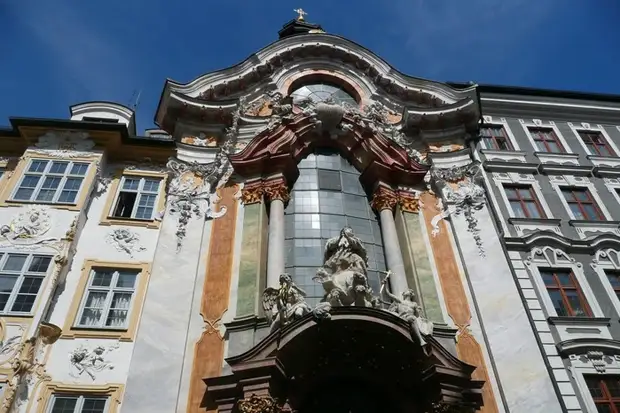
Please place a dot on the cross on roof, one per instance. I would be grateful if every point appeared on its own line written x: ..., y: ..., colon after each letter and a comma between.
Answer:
x: 301, y: 13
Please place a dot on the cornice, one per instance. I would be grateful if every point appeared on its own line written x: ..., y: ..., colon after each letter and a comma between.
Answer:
x: 543, y: 238
x: 583, y: 345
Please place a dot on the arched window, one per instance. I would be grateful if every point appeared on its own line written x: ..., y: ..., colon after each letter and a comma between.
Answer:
x: 326, y: 197
x: 319, y: 92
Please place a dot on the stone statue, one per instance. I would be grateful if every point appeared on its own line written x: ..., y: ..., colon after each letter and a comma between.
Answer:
x: 410, y: 311
x: 284, y: 304
x: 344, y: 272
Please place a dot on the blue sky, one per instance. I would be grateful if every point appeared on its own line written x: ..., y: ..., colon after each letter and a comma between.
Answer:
x: 60, y: 52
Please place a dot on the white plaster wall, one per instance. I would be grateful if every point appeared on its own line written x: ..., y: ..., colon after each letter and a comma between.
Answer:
x: 512, y: 345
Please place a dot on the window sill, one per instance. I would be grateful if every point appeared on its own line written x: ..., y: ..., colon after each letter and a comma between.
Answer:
x: 152, y: 224
x: 557, y: 158
x: 506, y: 155
x: 610, y: 161
x: 583, y: 227
x: 574, y: 170
x: 83, y: 332
x: 67, y: 207
x: 529, y: 225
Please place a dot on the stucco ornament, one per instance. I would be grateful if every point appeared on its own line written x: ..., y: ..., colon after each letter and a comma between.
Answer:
x: 344, y: 273
x: 467, y: 198
x: 10, y: 345
x: 90, y: 361
x: 125, y: 240
x: 256, y: 404
x: 65, y: 144
x: 285, y: 303
x: 409, y: 310
x: 28, y: 226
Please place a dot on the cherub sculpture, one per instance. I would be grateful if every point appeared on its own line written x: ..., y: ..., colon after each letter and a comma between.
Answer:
x: 285, y: 303
x: 344, y: 272
x: 409, y: 310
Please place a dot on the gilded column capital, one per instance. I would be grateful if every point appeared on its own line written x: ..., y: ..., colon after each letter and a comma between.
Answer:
x: 409, y: 201
x: 384, y: 198
x: 276, y: 190
x: 256, y: 404
x: 252, y: 193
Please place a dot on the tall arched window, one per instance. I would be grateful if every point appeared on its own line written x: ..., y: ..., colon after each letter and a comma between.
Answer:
x: 326, y: 197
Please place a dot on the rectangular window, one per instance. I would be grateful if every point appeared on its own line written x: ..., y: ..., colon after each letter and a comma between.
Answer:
x: 596, y: 143
x: 70, y: 403
x: 523, y: 201
x: 494, y: 137
x: 21, y: 277
x: 605, y: 391
x: 329, y: 180
x: 546, y: 140
x: 53, y: 182
x: 583, y: 205
x: 614, y: 279
x: 565, y: 293
x: 107, y: 301
x: 136, y: 198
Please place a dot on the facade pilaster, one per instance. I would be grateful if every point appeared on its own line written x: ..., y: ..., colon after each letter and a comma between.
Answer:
x: 277, y: 195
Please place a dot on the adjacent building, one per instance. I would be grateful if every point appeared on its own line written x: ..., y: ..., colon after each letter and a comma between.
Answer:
x: 142, y: 273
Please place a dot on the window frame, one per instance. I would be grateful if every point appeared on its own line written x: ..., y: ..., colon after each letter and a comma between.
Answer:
x: 561, y: 288
x: 537, y: 123
x: 591, y: 201
x: 80, y: 404
x: 58, y: 190
x: 110, y: 291
x: 611, y: 401
x: 112, y: 391
x: 559, y: 181
x: 534, y: 132
x: 139, y: 192
x: 533, y: 194
x: 602, y: 142
x: 607, y: 260
x: 493, y: 138
x: 72, y: 328
x: 20, y: 279
x: 114, y: 190
x: 586, y: 127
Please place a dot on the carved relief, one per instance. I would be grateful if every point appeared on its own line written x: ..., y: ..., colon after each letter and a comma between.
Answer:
x: 553, y: 257
x: 125, y: 240
x: 409, y: 201
x: 252, y: 193
x: 65, y: 144
x: 256, y: 404
x: 200, y: 140
x: 276, y: 190
x: 90, y: 361
x: 26, y: 228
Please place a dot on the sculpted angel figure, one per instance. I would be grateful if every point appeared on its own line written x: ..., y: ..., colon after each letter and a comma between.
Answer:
x: 285, y: 303
x: 344, y: 272
x: 409, y: 310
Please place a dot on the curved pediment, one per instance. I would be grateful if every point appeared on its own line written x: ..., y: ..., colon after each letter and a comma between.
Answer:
x: 370, y: 345
x: 274, y: 67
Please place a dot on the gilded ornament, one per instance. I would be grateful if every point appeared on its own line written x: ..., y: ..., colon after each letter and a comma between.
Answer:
x: 383, y: 198
x: 256, y: 404
x: 277, y: 190
x: 409, y: 202
x: 252, y: 194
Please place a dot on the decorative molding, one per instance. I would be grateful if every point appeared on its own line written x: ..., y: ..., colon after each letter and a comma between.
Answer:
x: 276, y: 189
x: 256, y: 404
x: 125, y: 240
x: 583, y: 227
x: 65, y: 144
x: 528, y: 225
x: 90, y: 361
x: 383, y: 198
x: 409, y: 201
x: 252, y: 192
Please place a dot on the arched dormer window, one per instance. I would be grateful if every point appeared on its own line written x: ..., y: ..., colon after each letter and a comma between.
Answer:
x: 322, y: 91
x: 326, y: 197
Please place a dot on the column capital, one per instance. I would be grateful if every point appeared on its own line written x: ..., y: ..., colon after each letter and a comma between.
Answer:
x: 409, y: 201
x: 276, y: 189
x: 383, y: 198
x: 252, y: 192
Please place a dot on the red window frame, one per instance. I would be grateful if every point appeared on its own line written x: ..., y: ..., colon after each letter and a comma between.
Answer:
x: 580, y: 203
x: 573, y: 286
x: 544, y: 136
x: 524, y: 201
x: 596, y: 143
x: 603, y: 396
x: 615, y: 286
x: 494, y: 135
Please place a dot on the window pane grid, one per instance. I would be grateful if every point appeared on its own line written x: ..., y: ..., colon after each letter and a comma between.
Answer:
x: 582, y: 204
x: 78, y: 404
x: 524, y: 202
x: 495, y: 137
x: 136, y: 198
x: 21, y: 277
x: 596, y: 143
x: 107, y: 300
x: 565, y: 293
x: 54, y: 182
x: 605, y: 392
x: 546, y: 140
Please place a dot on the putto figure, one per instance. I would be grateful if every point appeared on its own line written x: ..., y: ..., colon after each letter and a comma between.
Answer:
x: 344, y: 272
x: 409, y: 310
x: 284, y: 304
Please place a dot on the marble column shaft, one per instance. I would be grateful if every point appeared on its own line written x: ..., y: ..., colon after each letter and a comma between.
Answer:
x: 384, y: 202
x: 277, y: 194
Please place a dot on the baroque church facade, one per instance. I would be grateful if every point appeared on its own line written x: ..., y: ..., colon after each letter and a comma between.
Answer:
x: 312, y: 230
